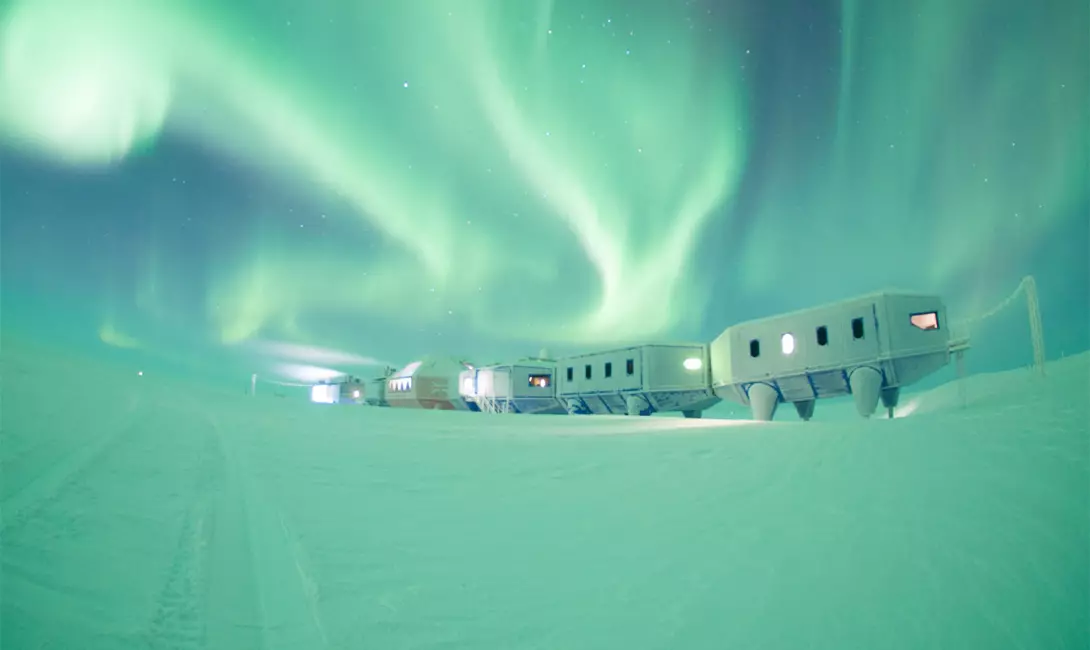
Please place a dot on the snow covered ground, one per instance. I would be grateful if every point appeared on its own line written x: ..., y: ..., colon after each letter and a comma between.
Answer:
x: 146, y: 512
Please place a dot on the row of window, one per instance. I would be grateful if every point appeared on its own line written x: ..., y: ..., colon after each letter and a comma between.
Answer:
x: 924, y: 321
x: 787, y: 341
x: 400, y: 385
x: 629, y: 368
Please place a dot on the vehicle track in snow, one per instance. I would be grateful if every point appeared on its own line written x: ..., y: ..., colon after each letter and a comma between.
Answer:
x: 212, y: 594
x: 56, y: 480
x: 179, y: 618
x: 275, y: 577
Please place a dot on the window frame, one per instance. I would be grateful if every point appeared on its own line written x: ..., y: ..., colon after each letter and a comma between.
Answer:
x: 859, y: 331
x: 548, y: 377
x: 934, y: 313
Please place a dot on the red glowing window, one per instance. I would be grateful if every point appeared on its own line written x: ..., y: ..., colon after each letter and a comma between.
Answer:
x: 540, y: 381
x: 925, y: 321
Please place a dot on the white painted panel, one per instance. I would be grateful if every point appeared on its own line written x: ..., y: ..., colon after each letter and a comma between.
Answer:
x: 520, y: 381
x: 619, y: 379
x: 665, y: 367
x: 906, y: 338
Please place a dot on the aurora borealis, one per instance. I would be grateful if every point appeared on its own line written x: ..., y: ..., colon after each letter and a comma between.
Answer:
x: 486, y: 177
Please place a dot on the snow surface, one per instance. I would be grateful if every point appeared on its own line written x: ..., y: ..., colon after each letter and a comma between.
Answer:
x: 148, y: 512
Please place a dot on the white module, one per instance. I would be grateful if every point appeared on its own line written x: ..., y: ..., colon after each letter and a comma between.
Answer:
x: 868, y: 347
x: 527, y: 386
x: 637, y: 380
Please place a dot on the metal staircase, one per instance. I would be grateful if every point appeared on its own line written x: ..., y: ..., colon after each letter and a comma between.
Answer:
x: 494, y: 404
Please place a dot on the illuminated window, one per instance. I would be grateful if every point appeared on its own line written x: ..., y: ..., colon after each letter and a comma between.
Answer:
x: 609, y: 369
x: 467, y: 386
x: 692, y: 363
x: 754, y: 348
x: 586, y: 371
x: 541, y: 381
x: 926, y: 321
x: 630, y: 367
x: 823, y: 335
x: 787, y: 343
x: 857, y: 328
x: 401, y: 384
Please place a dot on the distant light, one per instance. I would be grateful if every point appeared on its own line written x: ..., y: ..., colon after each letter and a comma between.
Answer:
x: 405, y: 85
x: 323, y: 394
x: 787, y: 343
x: 355, y: 394
x: 140, y: 373
x: 693, y: 363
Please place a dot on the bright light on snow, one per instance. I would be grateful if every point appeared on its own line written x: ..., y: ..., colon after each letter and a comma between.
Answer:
x: 324, y: 393
x: 693, y: 363
x: 787, y: 342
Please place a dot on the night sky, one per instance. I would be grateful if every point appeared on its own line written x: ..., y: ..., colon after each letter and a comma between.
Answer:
x: 234, y: 184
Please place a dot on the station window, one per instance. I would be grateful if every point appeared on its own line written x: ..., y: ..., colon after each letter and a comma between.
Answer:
x: 541, y: 381
x: 609, y: 368
x: 857, y: 328
x: 823, y: 335
x: 586, y: 371
x: 754, y: 348
x: 630, y: 366
x: 571, y: 373
x: 926, y: 321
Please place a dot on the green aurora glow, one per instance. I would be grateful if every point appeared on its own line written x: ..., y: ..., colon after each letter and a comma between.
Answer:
x: 553, y: 170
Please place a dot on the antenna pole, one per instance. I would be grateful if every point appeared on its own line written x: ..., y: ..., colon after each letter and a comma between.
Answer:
x: 1035, y: 328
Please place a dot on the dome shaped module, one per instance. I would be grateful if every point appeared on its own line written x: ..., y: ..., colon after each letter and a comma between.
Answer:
x: 430, y: 383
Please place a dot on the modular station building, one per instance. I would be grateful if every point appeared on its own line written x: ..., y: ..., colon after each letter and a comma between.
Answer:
x: 867, y: 347
x: 526, y: 386
x: 638, y: 380
x: 345, y: 389
x: 374, y: 393
x: 431, y: 383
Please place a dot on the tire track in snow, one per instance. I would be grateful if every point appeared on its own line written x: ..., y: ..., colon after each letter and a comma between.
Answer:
x: 49, y: 487
x: 179, y: 620
x: 283, y: 585
x: 261, y: 593
x: 310, y: 587
x: 214, y: 575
